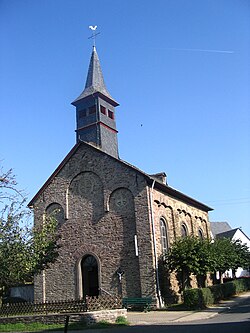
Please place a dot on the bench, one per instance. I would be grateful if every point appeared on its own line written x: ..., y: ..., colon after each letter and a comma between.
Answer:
x: 137, y: 303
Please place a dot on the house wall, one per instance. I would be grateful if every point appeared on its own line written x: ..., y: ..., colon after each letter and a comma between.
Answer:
x: 105, y: 204
x: 175, y: 213
x: 239, y: 235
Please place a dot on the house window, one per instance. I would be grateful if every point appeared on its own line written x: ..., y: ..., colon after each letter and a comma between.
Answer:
x: 111, y: 114
x: 164, y: 240
x: 82, y: 113
x: 103, y: 110
x: 92, y: 109
x: 55, y: 212
x: 200, y: 234
x: 184, y: 232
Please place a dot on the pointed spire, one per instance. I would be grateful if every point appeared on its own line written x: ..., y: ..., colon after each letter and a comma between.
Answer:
x: 95, y: 82
x: 95, y: 77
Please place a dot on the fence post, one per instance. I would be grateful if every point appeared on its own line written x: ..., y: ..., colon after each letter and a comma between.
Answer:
x: 66, y: 324
x: 7, y: 309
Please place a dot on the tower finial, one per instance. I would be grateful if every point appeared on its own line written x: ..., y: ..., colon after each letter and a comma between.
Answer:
x: 94, y: 34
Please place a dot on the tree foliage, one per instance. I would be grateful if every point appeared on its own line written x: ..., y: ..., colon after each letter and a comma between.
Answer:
x: 222, y: 254
x: 192, y: 255
x: 24, y: 250
x: 188, y: 255
x: 13, y: 249
x: 226, y: 254
x: 242, y: 255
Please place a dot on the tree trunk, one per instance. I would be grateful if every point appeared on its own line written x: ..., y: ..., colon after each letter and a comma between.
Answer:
x: 221, y: 277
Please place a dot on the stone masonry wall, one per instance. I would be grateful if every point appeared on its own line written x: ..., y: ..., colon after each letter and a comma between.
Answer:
x: 175, y: 213
x: 105, y: 205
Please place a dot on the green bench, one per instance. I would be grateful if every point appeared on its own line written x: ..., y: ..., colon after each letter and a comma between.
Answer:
x: 137, y: 303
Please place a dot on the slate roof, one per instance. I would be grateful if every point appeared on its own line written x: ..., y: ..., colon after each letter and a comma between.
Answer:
x: 218, y: 227
x: 230, y: 233
x: 95, y: 81
x: 227, y: 234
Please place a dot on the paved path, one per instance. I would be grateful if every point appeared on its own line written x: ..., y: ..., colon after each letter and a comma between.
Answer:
x: 163, y: 317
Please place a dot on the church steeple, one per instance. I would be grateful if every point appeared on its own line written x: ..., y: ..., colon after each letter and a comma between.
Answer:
x: 95, y: 111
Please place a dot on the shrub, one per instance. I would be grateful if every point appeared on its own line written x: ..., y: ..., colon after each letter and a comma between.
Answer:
x: 228, y: 289
x: 242, y: 285
x: 207, y: 297
x: 193, y: 298
x: 200, y: 298
x: 121, y: 320
x: 216, y: 292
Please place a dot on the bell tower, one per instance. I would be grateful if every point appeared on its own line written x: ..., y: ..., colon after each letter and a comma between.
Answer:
x: 95, y: 111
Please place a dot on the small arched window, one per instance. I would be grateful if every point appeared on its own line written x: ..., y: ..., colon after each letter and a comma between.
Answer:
x: 184, y: 231
x: 200, y: 234
x: 55, y: 211
x: 164, y: 240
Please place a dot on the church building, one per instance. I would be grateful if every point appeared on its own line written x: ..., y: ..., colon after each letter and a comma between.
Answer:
x: 114, y: 220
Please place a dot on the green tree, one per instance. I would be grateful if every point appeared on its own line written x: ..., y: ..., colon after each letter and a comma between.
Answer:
x: 13, y: 247
x: 243, y: 256
x: 226, y: 255
x: 24, y: 250
x: 192, y: 255
x: 222, y: 256
x: 189, y: 255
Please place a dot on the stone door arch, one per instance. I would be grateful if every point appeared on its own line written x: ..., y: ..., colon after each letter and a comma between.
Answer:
x: 90, y: 276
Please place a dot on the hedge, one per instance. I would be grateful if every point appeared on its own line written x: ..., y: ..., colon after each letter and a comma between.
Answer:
x: 202, y: 297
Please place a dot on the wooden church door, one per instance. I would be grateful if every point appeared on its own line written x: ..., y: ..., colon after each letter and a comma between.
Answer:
x: 90, y: 278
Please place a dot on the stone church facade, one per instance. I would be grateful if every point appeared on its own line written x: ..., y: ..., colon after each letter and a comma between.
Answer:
x: 114, y: 220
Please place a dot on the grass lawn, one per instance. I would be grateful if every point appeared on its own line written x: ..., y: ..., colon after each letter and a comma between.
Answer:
x: 32, y: 327
x: 38, y: 327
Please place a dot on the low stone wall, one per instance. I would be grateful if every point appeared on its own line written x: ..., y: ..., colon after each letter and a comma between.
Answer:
x: 108, y: 315
x: 88, y: 318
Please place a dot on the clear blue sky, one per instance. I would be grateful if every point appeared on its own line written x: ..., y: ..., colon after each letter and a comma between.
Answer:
x: 179, y: 68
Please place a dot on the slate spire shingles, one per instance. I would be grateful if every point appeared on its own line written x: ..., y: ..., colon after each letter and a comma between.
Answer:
x: 95, y: 81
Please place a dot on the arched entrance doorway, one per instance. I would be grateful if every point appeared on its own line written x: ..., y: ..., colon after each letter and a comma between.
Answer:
x: 90, y: 280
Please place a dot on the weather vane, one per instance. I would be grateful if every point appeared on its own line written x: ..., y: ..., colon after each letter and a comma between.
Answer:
x: 94, y: 34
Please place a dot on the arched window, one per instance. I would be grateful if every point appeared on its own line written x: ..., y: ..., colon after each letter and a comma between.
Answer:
x: 184, y: 231
x: 164, y: 240
x: 200, y: 234
x: 55, y: 211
